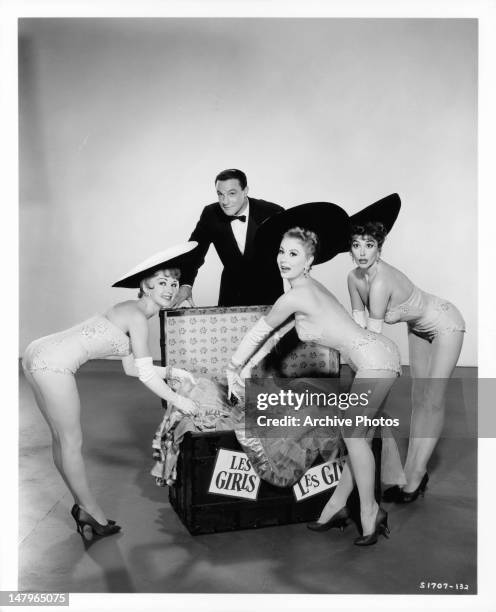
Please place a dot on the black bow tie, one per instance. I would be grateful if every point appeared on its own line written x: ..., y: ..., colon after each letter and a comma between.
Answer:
x: 241, y: 218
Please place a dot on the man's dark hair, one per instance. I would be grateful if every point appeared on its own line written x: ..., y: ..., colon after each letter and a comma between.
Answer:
x: 232, y: 173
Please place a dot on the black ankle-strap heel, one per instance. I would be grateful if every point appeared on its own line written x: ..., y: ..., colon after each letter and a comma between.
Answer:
x: 88, y: 527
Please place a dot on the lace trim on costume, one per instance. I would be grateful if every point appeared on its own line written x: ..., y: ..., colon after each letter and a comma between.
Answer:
x: 403, y: 307
x: 370, y: 337
x: 96, y: 328
x: 100, y: 328
x: 363, y: 341
x: 38, y: 363
x: 450, y: 330
x: 46, y: 368
x: 443, y: 306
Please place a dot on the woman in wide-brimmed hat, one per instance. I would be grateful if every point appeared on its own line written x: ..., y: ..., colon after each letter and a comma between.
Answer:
x: 300, y: 237
x: 435, y: 333
x: 50, y: 364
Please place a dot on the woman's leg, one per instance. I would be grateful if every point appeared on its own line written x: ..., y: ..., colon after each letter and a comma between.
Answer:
x: 56, y: 451
x: 420, y: 353
x: 58, y: 400
x: 360, y: 467
x: 340, y: 496
x: 431, y: 367
x: 359, y: 451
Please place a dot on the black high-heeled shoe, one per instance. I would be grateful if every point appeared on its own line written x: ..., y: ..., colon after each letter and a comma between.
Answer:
x: 338, y: 519
x: 74, y: 510
x: 88, y: 527
x: 381, y: 527
x: 407, y: 498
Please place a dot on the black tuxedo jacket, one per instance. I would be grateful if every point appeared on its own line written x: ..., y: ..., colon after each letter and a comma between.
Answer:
x: 244, y: 281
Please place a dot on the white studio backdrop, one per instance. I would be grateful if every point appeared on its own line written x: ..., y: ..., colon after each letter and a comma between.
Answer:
x: 124, y: 124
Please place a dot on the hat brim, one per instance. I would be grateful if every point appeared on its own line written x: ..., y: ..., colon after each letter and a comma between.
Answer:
x: 173, y: 257
x: 383, y: 211
x: 329, y: 221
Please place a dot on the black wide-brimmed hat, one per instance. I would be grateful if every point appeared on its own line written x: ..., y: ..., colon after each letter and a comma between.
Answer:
x: 383, y: 211
x: 173, y: 257
x: 329, y: 221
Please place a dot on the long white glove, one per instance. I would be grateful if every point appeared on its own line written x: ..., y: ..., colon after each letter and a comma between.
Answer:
x: 149, y: 377
x: 250, y: 342
x: 268, y: 346
x: 168, y: 372
x: 257, y: 336
x: 359, y: 317
x: 375, y: 325
x: 233, y: 381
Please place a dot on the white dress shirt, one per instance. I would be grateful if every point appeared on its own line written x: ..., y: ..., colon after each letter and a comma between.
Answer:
x: 239, y: 228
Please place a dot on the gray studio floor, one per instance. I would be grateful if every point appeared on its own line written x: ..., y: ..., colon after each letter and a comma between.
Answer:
x: 432, y: 540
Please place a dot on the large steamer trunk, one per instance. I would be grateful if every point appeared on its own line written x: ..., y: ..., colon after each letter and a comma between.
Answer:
x: 202, y: 341
x: 204, y: 512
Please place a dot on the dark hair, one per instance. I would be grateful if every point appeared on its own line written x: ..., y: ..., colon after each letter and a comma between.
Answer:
x: 373, y: 229
x: 174, y: 272
x: 308, y: 238
x: 232, y: 173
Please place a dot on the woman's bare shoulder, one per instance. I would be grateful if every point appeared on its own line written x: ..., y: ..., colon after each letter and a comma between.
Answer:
x: 126, y: 311
x: 294, y: 299
x: 391, y: 276
x: 355, y: 276
x: 289, y: 298
x: 303, y: 291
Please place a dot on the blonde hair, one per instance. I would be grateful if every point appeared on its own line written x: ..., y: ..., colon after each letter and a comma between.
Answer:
x: 308, y: 239
x: 145, y: 283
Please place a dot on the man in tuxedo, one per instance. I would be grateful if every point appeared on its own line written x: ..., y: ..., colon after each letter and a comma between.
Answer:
x: 230, y: 224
